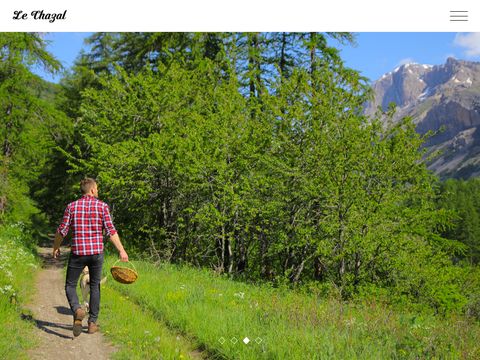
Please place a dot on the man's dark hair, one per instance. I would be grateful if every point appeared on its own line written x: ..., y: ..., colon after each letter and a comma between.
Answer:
x: 86, y: 184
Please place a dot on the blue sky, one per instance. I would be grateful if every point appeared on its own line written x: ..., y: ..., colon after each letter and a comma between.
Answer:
x: 376, y: 53
x: 379, y: 53
x: 65, y: 46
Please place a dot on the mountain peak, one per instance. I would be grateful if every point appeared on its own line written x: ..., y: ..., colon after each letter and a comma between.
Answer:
x: 445, y: 96
x: 452, y: 60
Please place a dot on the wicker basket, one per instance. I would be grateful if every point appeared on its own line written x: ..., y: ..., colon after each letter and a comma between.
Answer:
x: 124, y: 275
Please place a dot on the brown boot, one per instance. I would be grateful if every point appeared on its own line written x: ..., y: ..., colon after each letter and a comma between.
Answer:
x: 93, y: 327
x: 77, y: 321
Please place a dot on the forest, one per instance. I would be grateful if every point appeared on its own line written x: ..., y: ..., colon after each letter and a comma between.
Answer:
x: 245, y: 153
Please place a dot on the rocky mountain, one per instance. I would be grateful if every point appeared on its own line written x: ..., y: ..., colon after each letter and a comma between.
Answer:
x: 444, y: 99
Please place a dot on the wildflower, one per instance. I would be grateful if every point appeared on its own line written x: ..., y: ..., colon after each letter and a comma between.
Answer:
x: 239, y: 294
x: 6, y: 289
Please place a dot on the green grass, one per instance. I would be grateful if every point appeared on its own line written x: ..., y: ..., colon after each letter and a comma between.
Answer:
x: 15, y: 334
x: 137, y: 333
x: 282, y: 324
x: 17, y: 264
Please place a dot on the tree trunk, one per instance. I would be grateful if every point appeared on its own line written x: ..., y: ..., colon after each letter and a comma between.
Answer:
x: 312, y: 52
x: 357, y: 269
x: 254, y: 66
x: 3, y: 204
x: 283, y: 60
x: 229, y: 257
x: 7, y: 146
x: 242, y: 253
x: 298, y: 272
x: 265, y: 265
x: 319, y: 269
x: 222, y: 250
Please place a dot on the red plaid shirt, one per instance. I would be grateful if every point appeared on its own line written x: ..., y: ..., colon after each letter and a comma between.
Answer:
x: 87, y: 216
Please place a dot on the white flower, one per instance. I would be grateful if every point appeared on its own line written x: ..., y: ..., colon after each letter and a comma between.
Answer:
x: 239, y: 294
x: 6, y: 289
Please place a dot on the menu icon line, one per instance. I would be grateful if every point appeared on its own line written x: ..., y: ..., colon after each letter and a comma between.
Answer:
x: 458, y: 15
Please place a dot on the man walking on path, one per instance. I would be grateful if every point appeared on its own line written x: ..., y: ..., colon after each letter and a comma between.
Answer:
x: 87, y: 217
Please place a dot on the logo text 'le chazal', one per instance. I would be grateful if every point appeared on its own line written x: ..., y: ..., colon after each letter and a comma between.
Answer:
x: 39, y: 15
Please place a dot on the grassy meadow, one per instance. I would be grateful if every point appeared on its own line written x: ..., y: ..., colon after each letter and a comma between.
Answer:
x: 137, y: 333
x: 17, y: 264
x: 220, y: 314
x: 174, y: 312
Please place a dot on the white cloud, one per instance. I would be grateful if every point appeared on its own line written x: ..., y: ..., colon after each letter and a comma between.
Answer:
x: 470, y: 42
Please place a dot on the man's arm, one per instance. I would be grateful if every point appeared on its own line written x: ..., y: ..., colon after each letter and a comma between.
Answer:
x: 112, y: 232
x: 61, y: 232
x: 115, y: 239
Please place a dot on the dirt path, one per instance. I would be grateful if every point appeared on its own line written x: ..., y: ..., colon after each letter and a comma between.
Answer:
x: 54, y: 320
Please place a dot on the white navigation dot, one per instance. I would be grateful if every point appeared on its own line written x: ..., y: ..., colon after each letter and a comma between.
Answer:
x: 246, y: 340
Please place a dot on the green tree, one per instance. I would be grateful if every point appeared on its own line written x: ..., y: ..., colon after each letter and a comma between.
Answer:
x: 28, y: 121
x: 462, y: 198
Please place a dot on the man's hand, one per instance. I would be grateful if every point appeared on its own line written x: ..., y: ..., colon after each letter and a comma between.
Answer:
x: 123, y: 256
x: 56, y: 245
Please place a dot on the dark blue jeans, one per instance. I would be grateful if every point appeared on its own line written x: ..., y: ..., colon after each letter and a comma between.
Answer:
x: 76, y: 263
